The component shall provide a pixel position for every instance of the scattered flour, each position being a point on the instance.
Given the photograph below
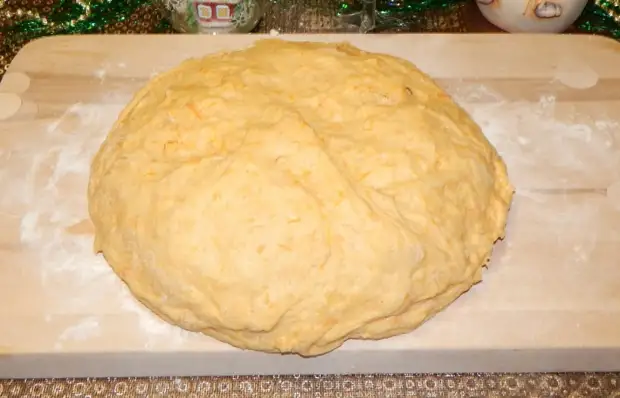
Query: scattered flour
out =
(553, 163)
(53, 192)
(100, 74)
(529, 135)
(87, 328)
(526, 134)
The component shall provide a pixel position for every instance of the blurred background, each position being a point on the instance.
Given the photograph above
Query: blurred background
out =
(25, 20)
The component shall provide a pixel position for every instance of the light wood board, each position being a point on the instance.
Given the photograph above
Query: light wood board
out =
(549, 301)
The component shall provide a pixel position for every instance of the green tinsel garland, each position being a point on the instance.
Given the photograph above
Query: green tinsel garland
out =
(402, 6)
(92, 16)
(70, 16)
(65, 17)
(599, 17)
(66, 14)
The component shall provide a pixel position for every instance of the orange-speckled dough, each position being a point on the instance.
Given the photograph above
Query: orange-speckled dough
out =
(291, 196)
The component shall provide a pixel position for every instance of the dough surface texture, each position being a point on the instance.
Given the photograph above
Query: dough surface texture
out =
(290, 196)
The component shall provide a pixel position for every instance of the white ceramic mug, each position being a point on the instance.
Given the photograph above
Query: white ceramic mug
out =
(532, 16)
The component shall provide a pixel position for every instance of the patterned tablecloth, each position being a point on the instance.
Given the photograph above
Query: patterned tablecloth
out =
(309, 16)
(322, 386)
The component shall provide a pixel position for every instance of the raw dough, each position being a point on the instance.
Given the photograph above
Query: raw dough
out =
(290, 196)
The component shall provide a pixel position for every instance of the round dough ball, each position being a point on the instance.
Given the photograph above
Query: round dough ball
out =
(291, 196)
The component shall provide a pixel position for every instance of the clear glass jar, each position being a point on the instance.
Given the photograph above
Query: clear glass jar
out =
(214, 16)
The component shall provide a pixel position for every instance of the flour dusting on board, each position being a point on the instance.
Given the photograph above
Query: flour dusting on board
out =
(54, 192)
(100, 74)
(85, 329)
(530, 136)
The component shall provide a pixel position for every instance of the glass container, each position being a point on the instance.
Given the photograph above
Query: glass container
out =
(214, 16)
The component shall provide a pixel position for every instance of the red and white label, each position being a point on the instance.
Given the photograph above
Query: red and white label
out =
(218, 13)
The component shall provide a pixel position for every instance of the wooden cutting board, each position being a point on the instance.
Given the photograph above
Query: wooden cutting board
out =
(549, 301)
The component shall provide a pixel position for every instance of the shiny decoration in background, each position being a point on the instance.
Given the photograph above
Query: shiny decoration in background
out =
(601, 17)
(392, 15)
(25, 20)
(65, 17)
(404, 6)
(213, 16)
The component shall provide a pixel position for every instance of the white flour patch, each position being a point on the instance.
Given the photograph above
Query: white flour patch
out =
(56, 205)
(53, 191)
(547, 159)
(86, 329)
(530, 138)
(157, 330)
(100, 74)
(475, 93)
(52, 127)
